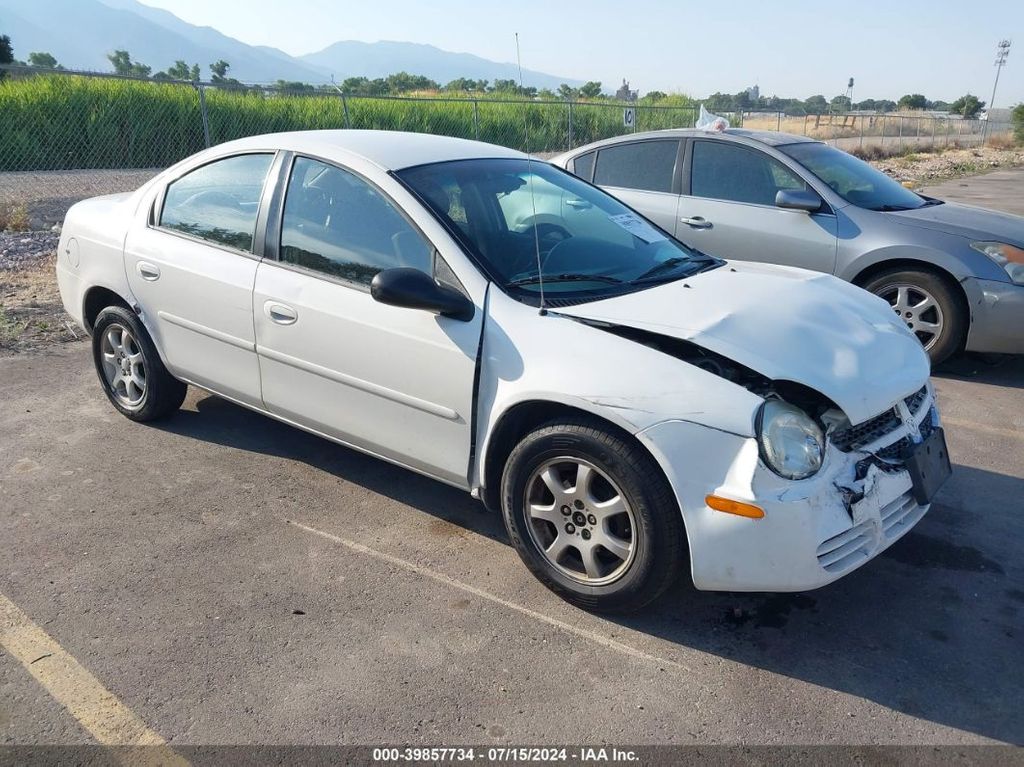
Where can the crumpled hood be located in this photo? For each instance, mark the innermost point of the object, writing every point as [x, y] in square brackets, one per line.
[787, 324]
[966, 221]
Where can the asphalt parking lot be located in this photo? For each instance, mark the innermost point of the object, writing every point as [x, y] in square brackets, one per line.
[225, 579]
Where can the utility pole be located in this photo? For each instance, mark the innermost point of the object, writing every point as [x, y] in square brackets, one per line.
[1002, 51]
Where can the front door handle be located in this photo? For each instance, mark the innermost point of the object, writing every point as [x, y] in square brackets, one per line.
[696, 222]
[148, 271]
[579, 204]
[279, 313]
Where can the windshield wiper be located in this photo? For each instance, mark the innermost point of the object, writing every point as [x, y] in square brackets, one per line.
[704, 262]
[892, 208]
[568, 277]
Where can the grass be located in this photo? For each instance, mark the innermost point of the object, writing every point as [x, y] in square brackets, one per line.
[14, 217]
[62, 122]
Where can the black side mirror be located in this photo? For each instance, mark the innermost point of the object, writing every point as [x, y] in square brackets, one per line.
[414, 289]
[798, 199]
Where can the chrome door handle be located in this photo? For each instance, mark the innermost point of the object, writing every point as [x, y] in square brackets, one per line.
[148, 271]
[697, 222]
[579, 204]
[279, 313]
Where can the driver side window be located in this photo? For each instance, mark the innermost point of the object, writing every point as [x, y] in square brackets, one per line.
[338, 224]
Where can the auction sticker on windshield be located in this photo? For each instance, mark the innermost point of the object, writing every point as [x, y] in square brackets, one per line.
[638, 227]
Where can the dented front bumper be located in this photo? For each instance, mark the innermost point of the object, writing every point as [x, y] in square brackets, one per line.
[813, 531]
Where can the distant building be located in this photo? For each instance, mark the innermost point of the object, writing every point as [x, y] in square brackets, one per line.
[754, 93]
[625, 94]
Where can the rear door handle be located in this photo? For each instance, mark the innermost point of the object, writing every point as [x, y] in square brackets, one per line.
[696, 222]
[148, 271]
[579, 204]
[279, 313]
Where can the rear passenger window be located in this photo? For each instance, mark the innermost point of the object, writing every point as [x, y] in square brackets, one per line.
[583, 166]
[338, 224]
[218, 202]
[645, 165]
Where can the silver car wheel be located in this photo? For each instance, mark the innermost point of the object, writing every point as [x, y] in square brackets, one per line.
[918, 308]
[580, 521]
[123, 366]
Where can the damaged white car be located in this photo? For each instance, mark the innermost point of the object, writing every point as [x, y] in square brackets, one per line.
[631, 406]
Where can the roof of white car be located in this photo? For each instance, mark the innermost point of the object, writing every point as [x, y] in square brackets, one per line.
[391, 150]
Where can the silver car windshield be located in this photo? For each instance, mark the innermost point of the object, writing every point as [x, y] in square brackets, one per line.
[518, 217]
[852, 179]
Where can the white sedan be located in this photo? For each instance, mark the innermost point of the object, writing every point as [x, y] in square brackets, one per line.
[630, 405]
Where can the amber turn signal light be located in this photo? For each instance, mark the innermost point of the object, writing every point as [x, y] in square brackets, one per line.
[730, 506]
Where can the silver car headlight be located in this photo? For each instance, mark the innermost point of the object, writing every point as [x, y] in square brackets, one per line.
[1010, 257]
[792, 443]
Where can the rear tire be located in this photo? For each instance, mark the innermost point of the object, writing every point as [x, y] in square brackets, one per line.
[129, 368]
[592, 516]
[929, 306]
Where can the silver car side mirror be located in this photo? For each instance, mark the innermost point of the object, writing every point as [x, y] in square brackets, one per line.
[798, 199]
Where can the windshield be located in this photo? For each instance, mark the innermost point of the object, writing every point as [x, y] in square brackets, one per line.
[589, 243]
[852, 179]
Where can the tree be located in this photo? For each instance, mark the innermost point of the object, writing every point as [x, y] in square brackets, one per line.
[6, 53]
[912, 101]
[121, 61]
[219, 69]
[840, 104]
[967, 105]
[182, 71]
[1017, 116]
[140, 70]
[655, 95]
[590, 90]
[567, 92]
[816, 105]
[44, 60]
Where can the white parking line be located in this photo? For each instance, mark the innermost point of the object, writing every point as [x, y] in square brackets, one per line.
[97, 709]
[583, 633]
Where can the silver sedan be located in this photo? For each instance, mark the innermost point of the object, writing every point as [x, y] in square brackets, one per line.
[953, 273]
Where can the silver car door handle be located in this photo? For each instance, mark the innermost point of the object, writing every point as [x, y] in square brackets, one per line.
[697, 222]
[279, 313]
[579, 204]
[148, 271]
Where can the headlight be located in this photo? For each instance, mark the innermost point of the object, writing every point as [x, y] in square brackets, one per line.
[792, 443]
[1010, 257]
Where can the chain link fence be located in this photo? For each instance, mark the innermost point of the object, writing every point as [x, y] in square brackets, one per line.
[98, 134]
[65, 121]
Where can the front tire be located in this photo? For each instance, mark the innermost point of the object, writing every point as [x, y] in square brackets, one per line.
[130, 370]
[592, 516]
[927, 304]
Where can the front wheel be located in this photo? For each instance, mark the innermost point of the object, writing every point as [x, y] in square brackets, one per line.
[929, 307]
[592, 516]
[131, 372]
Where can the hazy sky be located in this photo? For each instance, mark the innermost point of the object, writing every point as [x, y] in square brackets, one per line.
[942, 48]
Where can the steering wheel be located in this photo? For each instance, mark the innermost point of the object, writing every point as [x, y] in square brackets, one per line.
[549, 237]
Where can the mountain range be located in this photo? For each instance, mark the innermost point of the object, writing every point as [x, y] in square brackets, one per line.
[90, 29]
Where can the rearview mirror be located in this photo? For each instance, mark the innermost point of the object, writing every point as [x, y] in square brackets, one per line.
[413, 289]
[798, 199]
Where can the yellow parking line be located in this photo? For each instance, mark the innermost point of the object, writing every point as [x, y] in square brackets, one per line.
[997, 430]
[97, 709]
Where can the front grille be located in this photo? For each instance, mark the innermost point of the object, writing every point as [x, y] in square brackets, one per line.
[874, 429]
[915, 400]
[851, 547]
[856, 437]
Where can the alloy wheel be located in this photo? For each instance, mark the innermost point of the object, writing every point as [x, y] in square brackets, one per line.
[123, 366]
[580, 521]
[918, 308]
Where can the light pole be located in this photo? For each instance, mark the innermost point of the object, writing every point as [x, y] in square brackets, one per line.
[1002, 51]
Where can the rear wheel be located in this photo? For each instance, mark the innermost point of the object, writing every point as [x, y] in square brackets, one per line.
[592, 516]
[929, 307]
[132, 374]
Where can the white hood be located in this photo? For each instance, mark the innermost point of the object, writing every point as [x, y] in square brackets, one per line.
[787, 324]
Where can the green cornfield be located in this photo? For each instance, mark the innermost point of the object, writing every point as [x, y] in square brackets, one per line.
[63, 122]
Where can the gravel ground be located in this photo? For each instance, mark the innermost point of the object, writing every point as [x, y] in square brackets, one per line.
[20, 250]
